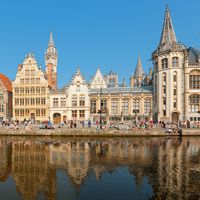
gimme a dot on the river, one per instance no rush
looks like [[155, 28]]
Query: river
[[89, 168]]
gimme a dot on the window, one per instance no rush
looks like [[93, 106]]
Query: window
[[43, 112], [21, 81], [27, 80], [156, 67], [82, 113], [164, 112], [37, 101], [164, 90], [78, 86], [43, 101], [82, 100], [175, 92], [16, 112], [194, 101], [175, 103], [125, 106], [27, 112], [147, 106], [114, 106], [22, 112], [26, 90], [136, 106], [164, 77], [1, 108], [93, 105], [37, 90], [37, 112], [26, 101], [16, 90], [32, 90], [175, 62], [103, 105], [55, 102], [21, 90], [32, 101], [194, 82], [74, 100], [175, 77], [43, 90], [164, 101], [63, 102], [164, 63], [21, 101], [16, 102], [1, 97], [74, 113]]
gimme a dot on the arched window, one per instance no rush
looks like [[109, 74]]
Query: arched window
[[82, 100], [164, 63], [194, 101], [175, 62], [74, 100]]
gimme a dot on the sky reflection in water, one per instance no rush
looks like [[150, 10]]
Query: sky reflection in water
[[85, 168]]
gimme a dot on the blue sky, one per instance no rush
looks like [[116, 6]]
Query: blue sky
[[91, 33]]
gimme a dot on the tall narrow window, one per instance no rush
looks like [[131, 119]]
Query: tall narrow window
[[175, 62], [82, 100], [74, 100], [164, 63], [114, 106], [93, 106], [125, 106]]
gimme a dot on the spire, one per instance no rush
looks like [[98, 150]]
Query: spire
[[139, 69], [168, 36], [51, 43]]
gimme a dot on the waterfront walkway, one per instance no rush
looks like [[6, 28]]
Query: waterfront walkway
[[92, 132]]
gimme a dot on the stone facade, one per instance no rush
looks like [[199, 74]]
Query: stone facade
[[5, 98], [90, 102], [72, 102], [176, 78], [30, 92]]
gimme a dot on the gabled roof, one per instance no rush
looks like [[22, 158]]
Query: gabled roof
[[6, 82], [139, 72], [78, 73], [168, 34]]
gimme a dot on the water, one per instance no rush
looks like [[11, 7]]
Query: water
[[86, 168]]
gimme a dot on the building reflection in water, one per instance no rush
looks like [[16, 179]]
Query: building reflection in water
[[171, 166]]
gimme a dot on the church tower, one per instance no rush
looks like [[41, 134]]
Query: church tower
[[51, 59], [168, 60], [137, 79]]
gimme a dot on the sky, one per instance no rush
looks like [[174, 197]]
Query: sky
[[109, 34]]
